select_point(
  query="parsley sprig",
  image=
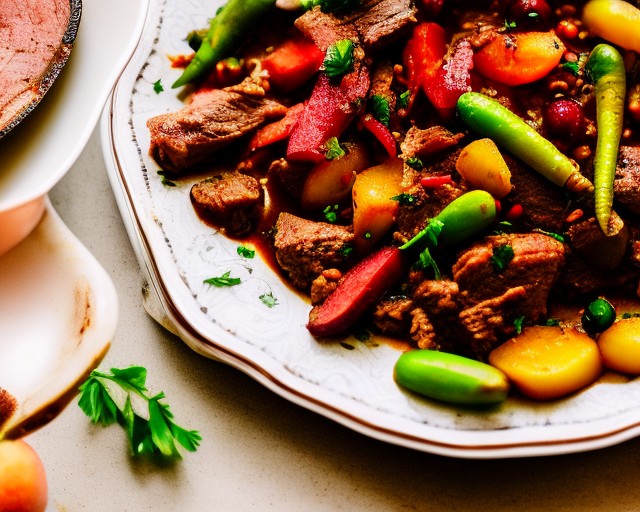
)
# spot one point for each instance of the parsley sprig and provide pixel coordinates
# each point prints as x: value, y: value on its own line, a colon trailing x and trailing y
x: 333, y: 6
x: 338, y: 59
x: 120, y: 398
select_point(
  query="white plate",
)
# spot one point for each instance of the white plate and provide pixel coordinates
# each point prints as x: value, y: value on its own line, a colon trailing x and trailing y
x: 42, y: 148
x: 58, y: 314
x: 354, y: 387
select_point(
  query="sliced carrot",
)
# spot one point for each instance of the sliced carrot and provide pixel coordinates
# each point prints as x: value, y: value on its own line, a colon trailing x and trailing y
x: 521, y: 58
x: 278, y: 130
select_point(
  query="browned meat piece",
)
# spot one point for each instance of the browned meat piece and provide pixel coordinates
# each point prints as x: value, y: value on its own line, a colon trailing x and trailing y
x: 537, y: 260
x: 213, y: 119
x: 37, y: 37
x: 594, y: 247
x: 381, y: 83
x: 291, y: 175
x: 626, y: 186
x: 438, y: 302
x: 422, y: 331
x: 424, y: 143
x: 228, y: 199
x: 544, y: 204
x: 304, y: 248
x: 325, y: 29
x: 391, y: 316
x: 321, y: 288
x: 375, y: 24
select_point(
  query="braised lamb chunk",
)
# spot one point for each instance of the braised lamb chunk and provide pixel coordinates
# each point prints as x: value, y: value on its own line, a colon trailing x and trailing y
x: 375, y: 23
x: 229, y: 199
x: 594, y: 247
x: 544, y: 204
x: 392, y: 315
x: 305, y: 248
x: 424, y: 143
x: 626, y: 186
x: 513, y: 273
x: 213, y: 119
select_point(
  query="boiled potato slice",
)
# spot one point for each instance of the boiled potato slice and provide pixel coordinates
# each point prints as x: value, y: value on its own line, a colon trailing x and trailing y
x: 482, y: 165
x: 548, y: 362
x: 620, y: 346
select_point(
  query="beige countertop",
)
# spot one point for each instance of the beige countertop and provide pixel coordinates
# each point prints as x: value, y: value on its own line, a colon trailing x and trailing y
x: 260, y: 452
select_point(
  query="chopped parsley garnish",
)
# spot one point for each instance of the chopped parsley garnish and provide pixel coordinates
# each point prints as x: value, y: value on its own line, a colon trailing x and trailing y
x: 367, y: 235
x: 552, y: 322
x: 572, y: 67
x: 502, y: 256
x: 518, y: 323
x: 414, y: 163
x: 223, y: 280
x: 405, y: 199
x: 380, y: 109
x: 122, y: 397
x: 338, y: 60
x: 510, y: 25
x: 426, y: 261
x: 334, y: 149
x: 556, y: 236
x: 166, y: 178
x: 403, y: 99
x: 158, y: 87
x: 331, y: 213
x: 268, y: 299
x: 346, y: 251
x: 245, y: 252
x: 331, y: 6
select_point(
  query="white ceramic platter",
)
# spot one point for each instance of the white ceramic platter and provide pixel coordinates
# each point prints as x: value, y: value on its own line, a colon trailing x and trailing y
x: 352, y: 386
x: 42, y: 148
x: 58, y: 313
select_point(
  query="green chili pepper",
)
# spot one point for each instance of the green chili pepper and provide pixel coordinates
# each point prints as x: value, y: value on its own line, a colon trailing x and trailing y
x: 462, y: 218
x: 605, y: 66
x: 598, y: 316
x: 491, y: 119
x: 226, y: 31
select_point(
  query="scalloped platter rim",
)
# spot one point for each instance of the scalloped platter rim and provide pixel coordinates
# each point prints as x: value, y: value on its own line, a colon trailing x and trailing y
x: 353, y: 387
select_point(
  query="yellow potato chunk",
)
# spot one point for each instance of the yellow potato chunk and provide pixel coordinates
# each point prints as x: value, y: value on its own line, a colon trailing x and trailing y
x: 620, y: 346
x: 374, y: 209
x: 482, y: 165
x: 548, y: 362
x: 616, y: 21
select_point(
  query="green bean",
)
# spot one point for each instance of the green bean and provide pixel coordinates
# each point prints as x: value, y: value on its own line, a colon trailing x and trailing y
x: 226, y: 32
x: 491, y: 119
x: 451, y: 378
x: 605, y: 66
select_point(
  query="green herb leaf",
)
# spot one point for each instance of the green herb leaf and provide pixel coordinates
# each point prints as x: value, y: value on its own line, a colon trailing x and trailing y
x: 403, y: 99
x: 158, y: 87
x: 405, y: 199
x: 339, y: 58
x: 428, y: 237
x: 556, y: 236
x: 167, y: 178
x: 331, y: 213
x: 572, y: 67
x: 552, y: 322
x: 223, y: 280
x: 331, y: 6
x: 414, y: 163
x: 268, y: 299
x: 426, y: 261
x: 502, y: 256
x: 509, y: 25
x: 158, y: 435
x: 246, y: 252
x: 346, y: 251
x: 333, y: 149
x: 518, y: 323
x: 380, y: 109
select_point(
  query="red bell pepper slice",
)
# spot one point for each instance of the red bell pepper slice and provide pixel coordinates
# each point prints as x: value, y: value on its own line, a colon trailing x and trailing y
x: 277, y: 131
x: 329, y: 110
x: 452, y: 79
x: 381, y: 133
x: 423, y: 54
x: 292, y: 63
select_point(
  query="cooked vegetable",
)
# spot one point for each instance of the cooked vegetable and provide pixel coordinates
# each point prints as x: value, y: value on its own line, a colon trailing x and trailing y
x: 293, y: 63
x: 465, y: 216
x: 382, y: 134
x: 546, y: 362
x: 491, y: 119
x: 451, y: 378
x: 606, y: 68
x: 614, y: 20
x: 359, y: 289
x: 226, y: 31
x: 278, y: 130
x: 331, y: 181
x: 327, y: 113
x: 598, y: 316
x: 482, y: 165
x: 374, y: 209
x: 620, y: 346
x: 338, y: 60
x: 122, y: 396
x: 519, y: 58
